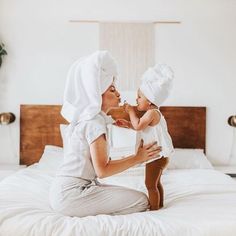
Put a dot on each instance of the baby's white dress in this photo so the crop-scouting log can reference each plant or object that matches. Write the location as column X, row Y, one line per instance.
column 160, row 134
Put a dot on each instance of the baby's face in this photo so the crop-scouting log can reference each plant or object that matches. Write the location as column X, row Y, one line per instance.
column 142, row 102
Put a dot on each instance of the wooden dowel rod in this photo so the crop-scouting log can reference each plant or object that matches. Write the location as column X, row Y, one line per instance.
column 95, row 21
column 166, row 22
column 83, row 21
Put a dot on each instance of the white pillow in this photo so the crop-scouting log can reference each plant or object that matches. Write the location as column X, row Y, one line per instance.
column 187, row 158
column 52, row 158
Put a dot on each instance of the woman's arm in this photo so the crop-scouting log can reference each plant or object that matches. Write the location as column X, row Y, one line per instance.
column 105, row 167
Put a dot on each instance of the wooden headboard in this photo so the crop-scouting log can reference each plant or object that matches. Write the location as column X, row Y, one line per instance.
column 39, row 126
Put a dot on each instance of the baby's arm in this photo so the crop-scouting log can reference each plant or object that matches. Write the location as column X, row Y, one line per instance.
column 144, row 121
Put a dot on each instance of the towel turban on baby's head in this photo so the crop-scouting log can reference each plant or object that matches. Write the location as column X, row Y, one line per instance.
column 156, row 83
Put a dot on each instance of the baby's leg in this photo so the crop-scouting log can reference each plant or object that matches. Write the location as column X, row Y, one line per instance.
column 151, row 181
column 161, row 192
column 163, row 163
column 155, row 189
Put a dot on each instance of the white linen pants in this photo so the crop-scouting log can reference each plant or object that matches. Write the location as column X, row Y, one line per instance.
column 77, row 197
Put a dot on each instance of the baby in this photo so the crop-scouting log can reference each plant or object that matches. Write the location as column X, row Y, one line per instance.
column 155, row 88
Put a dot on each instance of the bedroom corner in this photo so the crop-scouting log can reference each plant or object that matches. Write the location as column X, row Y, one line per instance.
column 46, row 47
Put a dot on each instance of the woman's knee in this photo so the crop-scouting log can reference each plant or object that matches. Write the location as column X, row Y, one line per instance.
column 143, row 202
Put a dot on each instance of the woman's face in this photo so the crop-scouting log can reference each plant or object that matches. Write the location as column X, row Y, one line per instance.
column 111, row 98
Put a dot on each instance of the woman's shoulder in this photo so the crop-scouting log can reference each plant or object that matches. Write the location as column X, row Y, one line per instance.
column 98, row 120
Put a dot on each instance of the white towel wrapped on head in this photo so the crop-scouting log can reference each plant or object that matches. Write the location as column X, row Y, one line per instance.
column 156, row 83
column 87, row 80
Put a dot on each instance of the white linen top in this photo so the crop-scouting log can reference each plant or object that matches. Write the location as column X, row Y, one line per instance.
column 160, row 134
column 77, row 160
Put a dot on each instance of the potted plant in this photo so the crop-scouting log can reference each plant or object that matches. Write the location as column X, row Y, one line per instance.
column 2, row 52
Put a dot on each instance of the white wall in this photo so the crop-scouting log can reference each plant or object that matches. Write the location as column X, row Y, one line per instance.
column 41, row 45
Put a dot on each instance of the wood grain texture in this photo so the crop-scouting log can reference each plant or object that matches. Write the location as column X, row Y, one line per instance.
column 39, row 125
column 187, row 126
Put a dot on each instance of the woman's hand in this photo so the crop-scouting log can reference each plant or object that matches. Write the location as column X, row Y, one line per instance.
column 123, row 123
column 104, row 167
column 147, row 152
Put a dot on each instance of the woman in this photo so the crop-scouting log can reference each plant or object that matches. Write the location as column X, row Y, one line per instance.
column 90, row 91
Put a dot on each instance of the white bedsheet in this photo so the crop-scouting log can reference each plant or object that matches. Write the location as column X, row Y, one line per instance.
column 198, row 202
column 5, row 173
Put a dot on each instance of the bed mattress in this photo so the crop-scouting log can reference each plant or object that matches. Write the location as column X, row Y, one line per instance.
column 197, row 202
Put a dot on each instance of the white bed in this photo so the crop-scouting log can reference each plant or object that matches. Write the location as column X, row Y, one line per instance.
column 198, row 202
column 8, row 169
column 198, row 199
column 5, row 173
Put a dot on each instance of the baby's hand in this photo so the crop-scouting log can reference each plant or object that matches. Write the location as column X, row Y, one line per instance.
column 122, row 123
column 128, row 108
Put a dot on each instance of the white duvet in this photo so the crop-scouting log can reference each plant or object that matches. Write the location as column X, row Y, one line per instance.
column 198, row 202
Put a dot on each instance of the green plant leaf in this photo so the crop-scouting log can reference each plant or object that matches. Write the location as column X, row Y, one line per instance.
column 4, row 52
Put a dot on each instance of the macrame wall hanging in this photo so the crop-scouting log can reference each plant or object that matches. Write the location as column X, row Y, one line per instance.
column 132, row 45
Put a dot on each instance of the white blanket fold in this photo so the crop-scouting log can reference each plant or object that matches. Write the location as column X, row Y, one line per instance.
column 197, row 202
